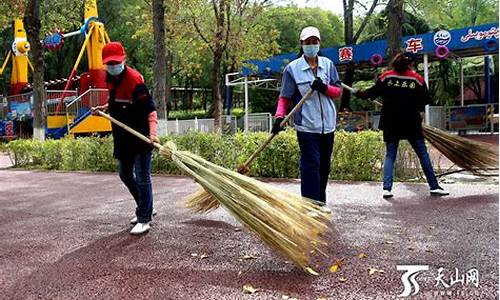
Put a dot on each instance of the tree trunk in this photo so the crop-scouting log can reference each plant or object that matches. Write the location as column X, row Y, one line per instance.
column 218, row 52
column 351, row 38
column 394, row 29
column 32, row 25
column 168, row 85
column 160, row 64
column 216, row 109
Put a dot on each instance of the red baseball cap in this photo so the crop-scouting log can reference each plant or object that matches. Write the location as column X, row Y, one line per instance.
column 113, row 51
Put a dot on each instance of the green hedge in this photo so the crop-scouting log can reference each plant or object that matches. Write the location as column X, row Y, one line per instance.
column 357, row 156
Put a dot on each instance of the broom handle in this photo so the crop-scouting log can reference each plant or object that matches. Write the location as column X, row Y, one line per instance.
column 130, row 130
column 345, row 86
column 272, row 135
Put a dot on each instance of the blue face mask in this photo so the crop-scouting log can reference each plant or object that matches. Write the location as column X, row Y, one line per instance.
column 310, row 50
column 115, row 70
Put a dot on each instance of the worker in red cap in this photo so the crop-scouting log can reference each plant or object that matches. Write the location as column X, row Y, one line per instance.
column 130, row 102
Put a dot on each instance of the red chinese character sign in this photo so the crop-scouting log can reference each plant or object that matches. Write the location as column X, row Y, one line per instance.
column 345, row 54
column 414, row 45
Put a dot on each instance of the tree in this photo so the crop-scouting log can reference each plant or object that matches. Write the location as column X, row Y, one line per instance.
column 288, row 21
column 457, row 13
column 394, row 28
column 32, row 25
column 215, row 27
column 160, row 66
column 351, row 37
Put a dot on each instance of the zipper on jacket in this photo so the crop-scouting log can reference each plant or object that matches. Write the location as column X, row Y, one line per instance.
column 321, row 110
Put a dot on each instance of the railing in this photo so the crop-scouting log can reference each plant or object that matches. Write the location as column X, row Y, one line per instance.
column 256, row 123
column 53, row 97
column 476, row 118
column 90, row 98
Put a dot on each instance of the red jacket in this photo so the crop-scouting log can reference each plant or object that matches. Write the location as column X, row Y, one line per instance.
column 129, row 102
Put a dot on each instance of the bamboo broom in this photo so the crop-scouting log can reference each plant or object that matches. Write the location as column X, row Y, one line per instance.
column 470, row 155
column 292, row 226
column 202, row 202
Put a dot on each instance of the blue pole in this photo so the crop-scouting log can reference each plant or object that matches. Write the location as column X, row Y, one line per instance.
column 487, row 79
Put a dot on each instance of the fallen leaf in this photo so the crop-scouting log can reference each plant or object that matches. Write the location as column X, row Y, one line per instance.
column 237, row 229
column 311, row 271
column 411, row 248
column 389, row 242
column 204, row 256
column 470, row 219
column 372, row 271
column 362, row 255
column 239, row 273
column 342, row 279
column 249, row 289
column 248, row 257
column 428, row 250
column 194, row 254
column 285, row 297
column 334, row 268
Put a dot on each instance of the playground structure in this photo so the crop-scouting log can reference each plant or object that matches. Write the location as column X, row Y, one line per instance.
column 67, row 111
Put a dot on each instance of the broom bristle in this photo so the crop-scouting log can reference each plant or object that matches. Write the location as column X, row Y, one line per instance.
column 284, row 221
column 470, row 155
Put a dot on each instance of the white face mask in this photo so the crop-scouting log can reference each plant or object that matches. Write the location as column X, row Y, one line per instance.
column 115, row 70
column 310, row 50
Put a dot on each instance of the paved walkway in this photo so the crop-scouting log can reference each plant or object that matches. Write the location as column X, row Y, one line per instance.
column 65, row 236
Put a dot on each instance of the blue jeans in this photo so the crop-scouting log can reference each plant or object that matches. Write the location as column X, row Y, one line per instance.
column 140, row 184
column 315, row 157
column 423, row 156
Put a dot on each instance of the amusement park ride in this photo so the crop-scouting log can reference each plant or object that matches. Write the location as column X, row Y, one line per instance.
column 67, row 111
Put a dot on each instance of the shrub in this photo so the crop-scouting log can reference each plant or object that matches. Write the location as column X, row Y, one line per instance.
column 357, row 156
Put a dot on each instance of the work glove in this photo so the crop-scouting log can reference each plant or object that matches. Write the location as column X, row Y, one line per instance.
column 319, row 86
column 277, row 126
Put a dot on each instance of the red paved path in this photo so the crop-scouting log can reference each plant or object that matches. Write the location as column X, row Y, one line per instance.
column 65, row 236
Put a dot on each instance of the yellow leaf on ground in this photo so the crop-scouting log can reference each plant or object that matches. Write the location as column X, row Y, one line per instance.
column 362, row 255
column 204, row 256
column 194, row 254
column 249, row 289
column 248, row 257
column 342, row 279
column 372, row 271
column 334, row 268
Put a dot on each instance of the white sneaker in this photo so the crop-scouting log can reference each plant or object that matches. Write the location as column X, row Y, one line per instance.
column 134, row 220
column 439, row 192
column 325, row 209
column 387, row 194
column 140, row 228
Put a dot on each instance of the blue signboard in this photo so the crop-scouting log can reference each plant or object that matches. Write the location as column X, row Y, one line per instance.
column 483, row 38
column 470, row 117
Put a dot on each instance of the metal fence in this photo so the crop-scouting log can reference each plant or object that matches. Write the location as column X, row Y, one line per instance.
column 476, row 118
column 81, row 104
column 53, row 97
column 260, row 122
